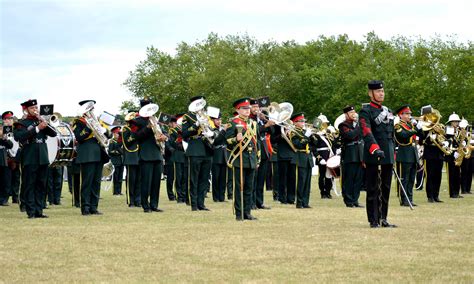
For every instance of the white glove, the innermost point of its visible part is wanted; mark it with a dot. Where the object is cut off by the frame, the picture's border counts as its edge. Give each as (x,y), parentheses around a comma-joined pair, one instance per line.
(322,162)
(413,121)
(419,125)
(197,123)
(464,143)
(103,130)
(445,144)
(338,151)
(433,136)
(308,133)
(456,155)
(332,129)
(209,134)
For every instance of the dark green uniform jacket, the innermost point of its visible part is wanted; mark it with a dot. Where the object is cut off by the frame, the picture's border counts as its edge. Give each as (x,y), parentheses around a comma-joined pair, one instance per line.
(303,157)
(405,134)
(176,142)
(376,123)
(116,152)
(352,143)
(34,150)
(149,150)
(249,152)
(5,144)
(197,147)
(89,150)
(130,145)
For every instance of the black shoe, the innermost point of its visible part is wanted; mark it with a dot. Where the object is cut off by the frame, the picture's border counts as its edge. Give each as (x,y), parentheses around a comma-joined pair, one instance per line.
(31,216)
(4,203)
(466,192)
(328,196)
(96,213)
(263,207)
(386,224)
(358,205)
(404,204)
(437,200)
(413,204)
(22,209)
(291,202)
(203,209)
(299,206)
(430,200)
(147,210)
(194,209)
(250,217)
(350,205)
(86,213)
(307,207)
(238,218)
(156,210)
(41,216)
(374,225)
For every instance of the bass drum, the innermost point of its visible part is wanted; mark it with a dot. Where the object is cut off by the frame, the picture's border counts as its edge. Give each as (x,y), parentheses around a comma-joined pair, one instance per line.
(61,149)
(333,169)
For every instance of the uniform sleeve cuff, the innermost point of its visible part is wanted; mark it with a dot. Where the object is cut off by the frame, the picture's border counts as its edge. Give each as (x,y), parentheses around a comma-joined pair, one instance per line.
(374,148)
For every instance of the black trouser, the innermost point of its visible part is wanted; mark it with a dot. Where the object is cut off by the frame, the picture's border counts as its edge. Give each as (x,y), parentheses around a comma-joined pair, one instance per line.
(117,179)
(76,189)
(199,171)
(91,175)
(276,181)
(55,185)
(5,183)
(352,176)
(454,177)
(406,172)
(325,184)
(170,177)
(15,183)
(150,175)
(260,183)
(35,188)
(248,178)
(181,181)
(219,177)
(269,177)
(466,175)
(303,186)
(133,185)
(230,183)
(433,173)
(378,191)
(286,183)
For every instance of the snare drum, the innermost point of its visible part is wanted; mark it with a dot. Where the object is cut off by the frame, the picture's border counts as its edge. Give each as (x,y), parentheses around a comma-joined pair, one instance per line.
(333,167)
(61,149)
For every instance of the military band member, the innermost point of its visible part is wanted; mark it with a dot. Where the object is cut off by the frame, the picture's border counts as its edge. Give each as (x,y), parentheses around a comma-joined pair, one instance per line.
(116,157)
(351,157)
(230,171)
(169,163)
(376,122)
(219,163)
(91,156)
(199,153)
(5,171)
(301,138)
(325,148)
(32,132)
(454,172)
(151,162)
(275,178)
(286,170)
(180,162)
(131,160)
(467,166)
(265,129)
(13,160)
(407,154)
(243,142)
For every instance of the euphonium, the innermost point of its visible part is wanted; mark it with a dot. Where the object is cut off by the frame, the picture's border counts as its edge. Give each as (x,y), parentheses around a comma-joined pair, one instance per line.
(431,123)
(148,111)
(197,107)
(94,124)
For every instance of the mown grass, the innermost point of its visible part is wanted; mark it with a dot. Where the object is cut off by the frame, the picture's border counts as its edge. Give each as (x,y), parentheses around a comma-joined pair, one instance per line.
(328,243)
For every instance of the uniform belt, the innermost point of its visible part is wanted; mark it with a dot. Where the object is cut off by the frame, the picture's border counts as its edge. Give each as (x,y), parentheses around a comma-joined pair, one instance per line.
(304,151)
(323,148)
(220,147)
(35,141)
(353,143)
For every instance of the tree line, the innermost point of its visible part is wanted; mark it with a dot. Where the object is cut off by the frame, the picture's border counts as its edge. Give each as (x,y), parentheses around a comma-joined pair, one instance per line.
(319,76)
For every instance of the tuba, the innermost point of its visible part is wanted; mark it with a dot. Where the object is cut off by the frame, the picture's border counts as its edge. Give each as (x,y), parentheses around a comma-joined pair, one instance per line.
(205,123)
(148,111)
(280,113)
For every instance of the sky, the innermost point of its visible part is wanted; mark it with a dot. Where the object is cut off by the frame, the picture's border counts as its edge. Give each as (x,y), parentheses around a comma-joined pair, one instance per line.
(63,51)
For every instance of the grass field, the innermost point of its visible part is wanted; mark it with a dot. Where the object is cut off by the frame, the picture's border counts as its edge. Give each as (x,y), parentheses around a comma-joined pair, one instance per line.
(328,243)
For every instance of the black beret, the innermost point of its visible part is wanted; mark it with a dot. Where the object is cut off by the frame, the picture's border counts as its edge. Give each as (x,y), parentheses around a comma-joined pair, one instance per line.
(196,98)
(144,102)
(375,84)
(264,101)
(253,102)
(347,109)
(86,101)
(29,103)
(241,102)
